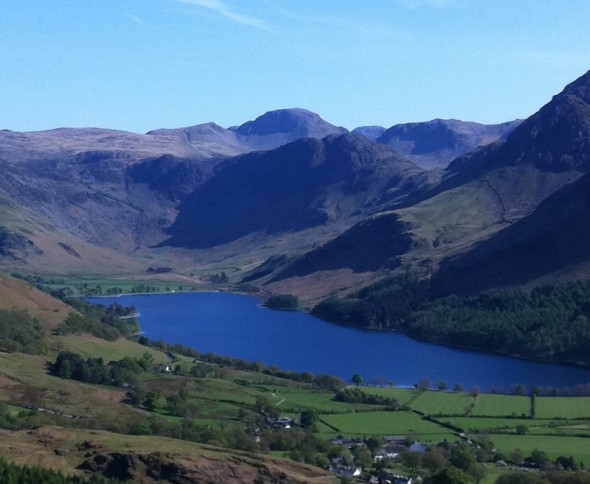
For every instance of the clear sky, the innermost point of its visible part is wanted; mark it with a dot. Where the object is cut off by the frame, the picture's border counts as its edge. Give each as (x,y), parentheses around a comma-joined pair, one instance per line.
(144,64)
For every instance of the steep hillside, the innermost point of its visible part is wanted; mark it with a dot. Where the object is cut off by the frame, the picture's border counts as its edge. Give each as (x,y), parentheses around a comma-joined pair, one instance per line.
(17,294)
(480,195)
(306,184)
(553,241)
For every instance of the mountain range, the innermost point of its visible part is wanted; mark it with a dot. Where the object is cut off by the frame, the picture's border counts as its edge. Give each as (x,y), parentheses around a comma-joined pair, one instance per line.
(291,203)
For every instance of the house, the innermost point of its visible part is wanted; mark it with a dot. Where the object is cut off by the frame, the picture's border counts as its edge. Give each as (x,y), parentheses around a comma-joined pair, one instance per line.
(342,469)
(280,423)
(418,447)
(389,478)
(394,439)
(345,442)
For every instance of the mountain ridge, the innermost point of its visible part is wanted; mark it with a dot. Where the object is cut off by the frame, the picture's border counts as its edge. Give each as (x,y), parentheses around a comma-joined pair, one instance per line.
(205,197)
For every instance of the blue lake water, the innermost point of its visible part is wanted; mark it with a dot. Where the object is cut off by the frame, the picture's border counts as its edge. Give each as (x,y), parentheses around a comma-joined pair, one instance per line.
(237,326)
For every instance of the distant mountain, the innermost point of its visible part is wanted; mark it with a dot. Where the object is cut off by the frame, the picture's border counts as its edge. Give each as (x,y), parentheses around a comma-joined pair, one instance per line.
(276,128)
(208,138)
(269,131)
(371,132)
(434,144)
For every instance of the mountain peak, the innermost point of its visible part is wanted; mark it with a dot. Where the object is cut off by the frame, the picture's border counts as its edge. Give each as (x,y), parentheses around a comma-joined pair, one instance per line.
(293,121)
(579,88)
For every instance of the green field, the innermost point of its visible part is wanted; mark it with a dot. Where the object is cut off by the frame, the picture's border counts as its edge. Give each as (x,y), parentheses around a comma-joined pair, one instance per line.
(553,446)
(442,403)
(321,402)
(563,407)
(388,423)
(108,351)
(488,424)
(97,285)
(402,395)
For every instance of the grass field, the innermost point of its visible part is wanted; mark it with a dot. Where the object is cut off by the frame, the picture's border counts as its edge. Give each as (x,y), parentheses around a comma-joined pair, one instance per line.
(87,345)
(402,395)
(321,402)
(562,407)
(442,403)
(388,423)
(553,446)
(96,285)
(499,424)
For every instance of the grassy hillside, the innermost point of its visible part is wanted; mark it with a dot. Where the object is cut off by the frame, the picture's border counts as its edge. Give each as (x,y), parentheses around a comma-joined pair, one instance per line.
(18,294)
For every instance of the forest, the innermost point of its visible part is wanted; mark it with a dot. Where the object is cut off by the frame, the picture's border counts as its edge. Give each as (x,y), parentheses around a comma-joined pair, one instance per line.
(549,322)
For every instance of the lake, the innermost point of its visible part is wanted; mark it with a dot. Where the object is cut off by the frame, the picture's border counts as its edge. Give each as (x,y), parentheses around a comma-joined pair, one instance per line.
(237,326)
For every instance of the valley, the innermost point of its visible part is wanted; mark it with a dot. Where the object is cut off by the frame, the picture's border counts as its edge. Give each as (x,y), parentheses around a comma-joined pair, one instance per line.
(452,232)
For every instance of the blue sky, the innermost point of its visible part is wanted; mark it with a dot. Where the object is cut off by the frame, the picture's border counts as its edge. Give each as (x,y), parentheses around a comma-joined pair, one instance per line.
(144,64)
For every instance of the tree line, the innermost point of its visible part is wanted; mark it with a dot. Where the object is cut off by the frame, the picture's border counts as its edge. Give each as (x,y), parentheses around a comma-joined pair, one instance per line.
(550,322)
(14,474)
(20,332)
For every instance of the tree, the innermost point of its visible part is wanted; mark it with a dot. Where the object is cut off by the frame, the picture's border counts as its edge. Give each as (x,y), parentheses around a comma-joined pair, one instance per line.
(475,392)
(518,389)
(146,360)
(441,385)
(461,457)
(521,429)
(423,385)
(538,458)
(451,475)
(516,457)
(458,388)
(434,460)
(283,301)
(308,418)
(65,370)
(478,471)
(374,444)
(412,460)
(357,379)
(362,456)
(263,404)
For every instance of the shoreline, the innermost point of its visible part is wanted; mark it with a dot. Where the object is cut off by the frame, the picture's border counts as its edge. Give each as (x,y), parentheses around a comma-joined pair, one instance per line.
(356,327)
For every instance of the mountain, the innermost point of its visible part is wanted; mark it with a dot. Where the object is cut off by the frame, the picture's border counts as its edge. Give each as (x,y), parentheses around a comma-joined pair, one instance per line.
(266,132)
(307,184)
(485,200)
(289,200)
(434,144)
(83,197)
(276,128)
